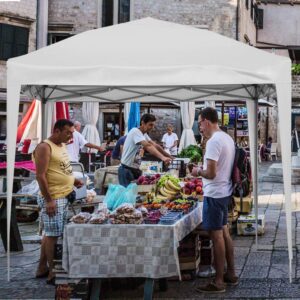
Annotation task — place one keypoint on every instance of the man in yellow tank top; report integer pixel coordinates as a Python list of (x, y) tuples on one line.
[(56, 181)]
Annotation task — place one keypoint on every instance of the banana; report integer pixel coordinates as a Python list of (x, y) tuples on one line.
[(163, 192), (168, 186), (173, 186), (170, 192), (161, 197)]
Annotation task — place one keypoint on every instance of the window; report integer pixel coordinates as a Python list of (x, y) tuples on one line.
[(247, 4), (295, 55), (251, 9), (57, 37), (13, 41), (107, 12), (124, 11), (259, 18)]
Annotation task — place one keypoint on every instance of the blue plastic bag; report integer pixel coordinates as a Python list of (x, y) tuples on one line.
[(118, 194)]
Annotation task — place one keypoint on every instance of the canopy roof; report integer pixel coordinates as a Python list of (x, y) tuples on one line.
[(153, 61), (117, 63)]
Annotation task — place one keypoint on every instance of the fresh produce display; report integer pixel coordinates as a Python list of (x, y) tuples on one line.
[(193, 152), (168, 187), (81, 218), (148, 179), (153, 217), (126, 214), (193, 186), (184, 205), (98, 218)]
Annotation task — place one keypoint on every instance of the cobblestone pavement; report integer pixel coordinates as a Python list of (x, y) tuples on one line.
[(263, 272)]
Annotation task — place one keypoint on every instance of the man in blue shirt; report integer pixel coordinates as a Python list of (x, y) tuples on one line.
[(117, 152)]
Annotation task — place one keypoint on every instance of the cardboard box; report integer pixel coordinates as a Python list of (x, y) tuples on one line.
[(193, 264), (244, 206), (146, 188), (246, 225)]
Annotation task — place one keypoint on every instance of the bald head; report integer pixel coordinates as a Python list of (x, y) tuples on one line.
[(77, 125)]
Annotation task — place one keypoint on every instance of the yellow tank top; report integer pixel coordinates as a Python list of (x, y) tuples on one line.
[(59, 174)]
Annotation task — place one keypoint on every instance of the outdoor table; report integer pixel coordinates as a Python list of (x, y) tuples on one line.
[(126, 250)]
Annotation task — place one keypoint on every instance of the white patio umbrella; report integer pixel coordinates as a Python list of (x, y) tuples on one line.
[(90, 114), (187, 110)]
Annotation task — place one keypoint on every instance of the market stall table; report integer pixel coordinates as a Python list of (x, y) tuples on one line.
[(110, 250)]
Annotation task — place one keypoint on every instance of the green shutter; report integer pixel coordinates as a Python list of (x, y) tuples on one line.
[(13, 41)]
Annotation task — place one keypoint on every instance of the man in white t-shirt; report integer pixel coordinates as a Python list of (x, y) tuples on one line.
[(136, 139), (170, 141), (78, 142), (217, 187)]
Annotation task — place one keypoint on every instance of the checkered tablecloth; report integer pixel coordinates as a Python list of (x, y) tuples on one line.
[(110, 250)]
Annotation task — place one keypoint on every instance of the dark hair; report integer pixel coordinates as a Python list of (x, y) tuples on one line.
[(209, 114), (146, 118), (60, 124)]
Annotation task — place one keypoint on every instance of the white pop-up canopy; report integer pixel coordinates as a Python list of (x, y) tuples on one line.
[(153, 61)]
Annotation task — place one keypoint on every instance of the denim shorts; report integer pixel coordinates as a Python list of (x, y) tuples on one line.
[(54, 226), (215, 212), (127, 175)]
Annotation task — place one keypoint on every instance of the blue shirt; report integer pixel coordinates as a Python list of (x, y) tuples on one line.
[(116, 152)]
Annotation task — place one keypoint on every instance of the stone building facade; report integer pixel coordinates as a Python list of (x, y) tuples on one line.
[(258, 23), (16, 19), (218, 16), (71, 17)]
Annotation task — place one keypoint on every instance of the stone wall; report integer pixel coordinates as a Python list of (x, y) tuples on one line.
[(82, 14), (246, 24), (22, 13), (164, 117), (296, 87), (272, 126), (217, 15)]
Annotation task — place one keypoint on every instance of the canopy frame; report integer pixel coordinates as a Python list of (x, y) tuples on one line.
[(155, 56)]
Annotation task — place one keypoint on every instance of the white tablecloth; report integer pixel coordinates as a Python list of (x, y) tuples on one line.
[(110, 250)]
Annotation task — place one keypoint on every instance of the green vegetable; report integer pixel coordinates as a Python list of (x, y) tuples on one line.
[(193, 152), (166, 177)]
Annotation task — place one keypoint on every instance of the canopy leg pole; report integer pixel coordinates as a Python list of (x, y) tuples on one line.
[(255, 171), (44, 119)]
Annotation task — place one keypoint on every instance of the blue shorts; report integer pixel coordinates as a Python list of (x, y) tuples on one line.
[(215, 212)]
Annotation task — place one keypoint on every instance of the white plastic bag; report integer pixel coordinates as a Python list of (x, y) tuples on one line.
[(30, 189)]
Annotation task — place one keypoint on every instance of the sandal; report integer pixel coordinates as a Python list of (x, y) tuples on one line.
[(233, 281), (211, 288), (42, 275), (51, 281)]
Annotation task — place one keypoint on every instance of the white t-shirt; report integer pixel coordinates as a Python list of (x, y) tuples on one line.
[(75, 145), (132, 147), (220, 148), (169, 141)]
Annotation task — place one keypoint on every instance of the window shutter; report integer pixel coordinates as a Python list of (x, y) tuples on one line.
[(6, 41), (21, 41), (13, 41), (260, 18)]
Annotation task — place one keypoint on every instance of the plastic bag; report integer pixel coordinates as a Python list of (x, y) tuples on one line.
[(30, 189), (118, 194)]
